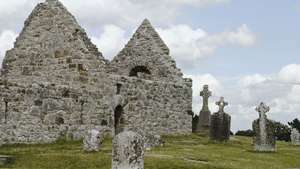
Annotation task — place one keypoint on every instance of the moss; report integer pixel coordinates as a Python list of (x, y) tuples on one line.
[(179, 152)]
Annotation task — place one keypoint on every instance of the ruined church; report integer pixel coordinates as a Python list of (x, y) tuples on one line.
[(55, 82)]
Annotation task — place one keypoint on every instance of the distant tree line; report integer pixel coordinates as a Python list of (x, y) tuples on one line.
[(282, 131)]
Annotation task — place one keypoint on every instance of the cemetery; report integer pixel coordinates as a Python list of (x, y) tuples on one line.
[(64, 105)]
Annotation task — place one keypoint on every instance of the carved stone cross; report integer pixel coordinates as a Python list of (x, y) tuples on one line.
[(205, 93), (262, 109), (221, 104)]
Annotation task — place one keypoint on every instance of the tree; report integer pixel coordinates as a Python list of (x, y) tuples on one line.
[(295, 124), (248, 133), (282, 131)]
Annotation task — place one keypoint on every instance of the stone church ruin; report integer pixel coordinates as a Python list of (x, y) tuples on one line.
[(55, 82)]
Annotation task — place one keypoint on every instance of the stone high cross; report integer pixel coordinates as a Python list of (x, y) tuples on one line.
[(221, 104), (205, 94), (262, 109)]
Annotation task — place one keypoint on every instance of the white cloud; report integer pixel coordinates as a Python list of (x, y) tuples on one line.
[(190, 45), (282, 97), (111, 40), (198, 82), (125, 13), (290, 73), (6, 42)]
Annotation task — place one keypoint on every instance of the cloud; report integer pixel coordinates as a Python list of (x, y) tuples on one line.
[(198, 82), (126, 13), (111, 40), (290, 73), (7, 38), (190, 45), (282, 97)]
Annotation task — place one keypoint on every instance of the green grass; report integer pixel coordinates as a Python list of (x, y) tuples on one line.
[(179, 152)]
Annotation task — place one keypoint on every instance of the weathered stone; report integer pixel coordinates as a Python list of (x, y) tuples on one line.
[(54, 83), (264, 138), (93, 140), (128, 151), (5, 160), (204, 115), (295, 137), (220, 123)]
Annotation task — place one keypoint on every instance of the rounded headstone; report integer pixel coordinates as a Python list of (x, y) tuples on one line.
[(92, 140)]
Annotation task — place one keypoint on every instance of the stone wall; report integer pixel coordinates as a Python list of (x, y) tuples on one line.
[(45, 112), (56, 83), (156, 107)]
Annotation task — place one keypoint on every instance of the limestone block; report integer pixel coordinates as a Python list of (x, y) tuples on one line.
[(93, 140), (128, 151), (264, 139), (295, 137)]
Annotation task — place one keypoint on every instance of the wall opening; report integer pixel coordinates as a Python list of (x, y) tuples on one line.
[(139, 70), (119, 88), (59, 121), (119, 119), (5, 111)]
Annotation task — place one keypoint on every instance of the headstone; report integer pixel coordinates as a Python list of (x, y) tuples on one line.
[(295, 137), (195, 122), (92, 140), (128, 151), (151, 141), (264, 138), (220, 123), (5, 160), (204, 115)]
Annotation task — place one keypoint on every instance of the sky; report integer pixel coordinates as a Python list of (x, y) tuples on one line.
[(246, 51)]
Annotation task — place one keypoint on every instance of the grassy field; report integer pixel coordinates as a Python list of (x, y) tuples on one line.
[(179, 152)]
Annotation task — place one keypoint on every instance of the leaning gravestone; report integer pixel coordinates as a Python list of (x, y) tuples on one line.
[(204, 115), (295, 137), (264, 138), (128, 151), (220, 123), (92, 140)]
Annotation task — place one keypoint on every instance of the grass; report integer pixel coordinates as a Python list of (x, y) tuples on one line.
[(179, 152)]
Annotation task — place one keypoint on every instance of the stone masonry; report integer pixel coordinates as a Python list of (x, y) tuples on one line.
[(55, 83), (220, 123), (264, 138), (128, 151), (204, 115), (295, 137)]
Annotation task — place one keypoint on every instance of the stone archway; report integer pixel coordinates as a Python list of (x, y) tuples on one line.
[(119, 119), (139, 69)]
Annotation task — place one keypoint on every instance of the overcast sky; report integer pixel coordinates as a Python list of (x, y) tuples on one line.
[(247, 51)]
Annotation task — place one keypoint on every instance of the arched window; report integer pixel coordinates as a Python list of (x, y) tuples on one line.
[(119, 119), (139, 69)]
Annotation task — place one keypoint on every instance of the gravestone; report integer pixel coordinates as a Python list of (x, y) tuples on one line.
[(92, 140), (128, 151), (264, 138), (295, 137), (220, 123), (5, 160), (204, 115), (195, 122)]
